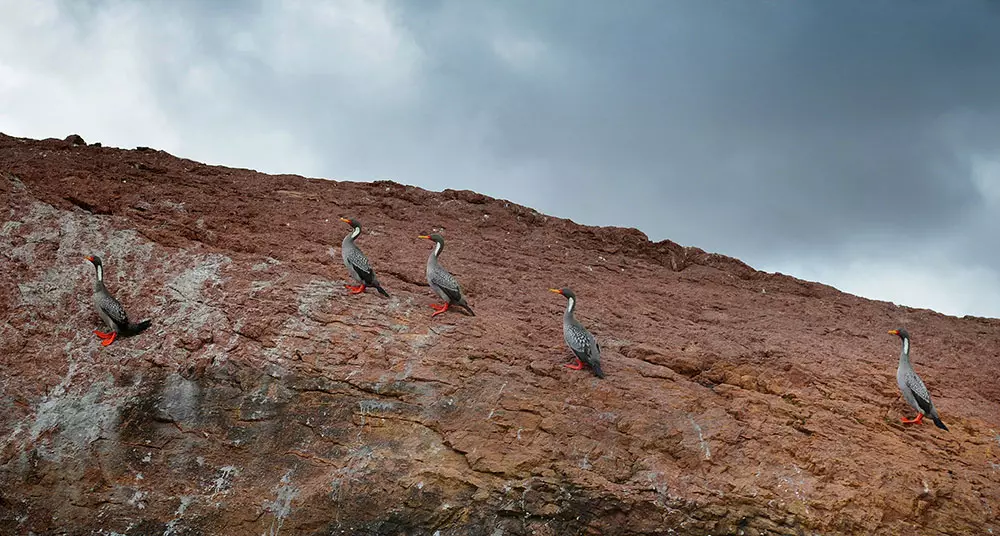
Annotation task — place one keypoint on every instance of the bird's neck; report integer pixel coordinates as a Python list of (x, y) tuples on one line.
[(904, 354), (438, 247), (355, 233), (570, 307), (99, 283)]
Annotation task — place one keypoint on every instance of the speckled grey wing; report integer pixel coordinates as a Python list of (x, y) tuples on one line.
[(580, 341), (919, 392), (446, 282), (113, 309), (360, 264)]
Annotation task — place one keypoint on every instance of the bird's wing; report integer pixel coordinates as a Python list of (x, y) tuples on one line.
[(446, 282), (361, 265), (579, 341), (113, 309), (919, 390)]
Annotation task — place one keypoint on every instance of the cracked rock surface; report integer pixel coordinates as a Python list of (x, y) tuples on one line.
[(266, 400)]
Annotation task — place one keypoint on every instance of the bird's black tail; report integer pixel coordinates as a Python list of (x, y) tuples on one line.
[(597, 370), (137, 328), (938, 423), (381, 290), (465, 306)]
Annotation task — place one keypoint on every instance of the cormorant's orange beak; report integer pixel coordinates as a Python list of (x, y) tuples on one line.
[(425, 237), (89, 258), (557, 291), (345, 220), (893, 332)]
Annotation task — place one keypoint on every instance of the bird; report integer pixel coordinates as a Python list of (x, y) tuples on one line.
[(441, 281), (913, 388), (111, 310), (585, 347), (356, 262)]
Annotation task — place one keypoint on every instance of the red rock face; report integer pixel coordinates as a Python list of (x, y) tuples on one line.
[(266, 400)]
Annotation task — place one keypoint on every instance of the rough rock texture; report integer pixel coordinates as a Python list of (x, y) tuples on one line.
[(265, 400)]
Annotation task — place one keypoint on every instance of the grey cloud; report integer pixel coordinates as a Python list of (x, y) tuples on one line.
[(791, 126)]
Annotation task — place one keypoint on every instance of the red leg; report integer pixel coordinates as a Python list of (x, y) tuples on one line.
[(101, 334), (438, 309), (109, 340), (355, 289), (575, 366), (916, 420)]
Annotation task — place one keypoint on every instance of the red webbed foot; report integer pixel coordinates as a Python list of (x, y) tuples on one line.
[(438, 309), (109, 338), (355, 289), (916, 420), (575, 366)]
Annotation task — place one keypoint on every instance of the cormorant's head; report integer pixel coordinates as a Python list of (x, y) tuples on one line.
[(903, 334), (351, 222), (94, 259), (435, 237), (564, 291)]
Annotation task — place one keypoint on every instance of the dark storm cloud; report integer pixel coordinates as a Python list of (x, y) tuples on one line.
[(742, 125)]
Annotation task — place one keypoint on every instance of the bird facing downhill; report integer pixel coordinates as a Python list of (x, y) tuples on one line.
[(912, 386), (357, 263), (580, 341), (111, 311), (441, 281)]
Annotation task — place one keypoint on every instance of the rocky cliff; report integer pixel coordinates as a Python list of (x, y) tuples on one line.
[(266, 400)]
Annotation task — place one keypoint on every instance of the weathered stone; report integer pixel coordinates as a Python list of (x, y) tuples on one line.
[(265, 400)]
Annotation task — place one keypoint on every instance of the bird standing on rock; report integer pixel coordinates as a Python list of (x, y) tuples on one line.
[(913, 388), (584, 345), (356, 262), (441, 281), (111, 311)]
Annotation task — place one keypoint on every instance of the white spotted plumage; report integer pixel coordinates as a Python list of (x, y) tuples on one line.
[(578, 338), (357, 263), (110, 310), (915, 388)]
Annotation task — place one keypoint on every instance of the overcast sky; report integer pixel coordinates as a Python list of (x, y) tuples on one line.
[(856, 143)]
